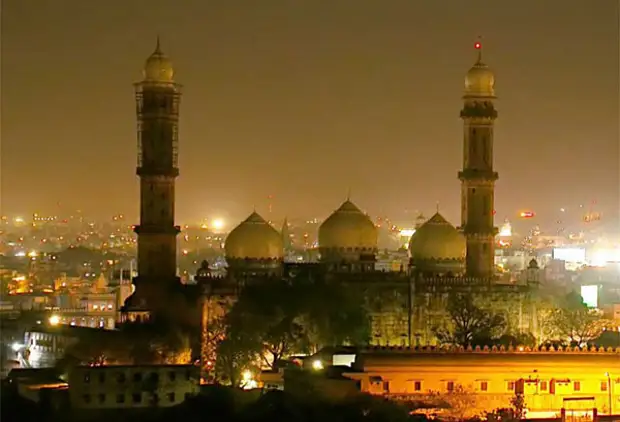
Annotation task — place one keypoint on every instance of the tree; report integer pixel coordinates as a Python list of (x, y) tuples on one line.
[(276, 319), (469, 324), (459, 404), (572, 320)]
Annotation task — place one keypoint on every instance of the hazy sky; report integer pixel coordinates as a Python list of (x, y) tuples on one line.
[(304, 99)]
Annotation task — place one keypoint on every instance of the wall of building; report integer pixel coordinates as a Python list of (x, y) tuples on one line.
[(108, 387), (491, 379)]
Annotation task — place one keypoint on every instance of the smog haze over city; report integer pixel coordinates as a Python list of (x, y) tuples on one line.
[(304, 101)]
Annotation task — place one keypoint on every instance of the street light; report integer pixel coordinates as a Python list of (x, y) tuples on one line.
[(609, 392)]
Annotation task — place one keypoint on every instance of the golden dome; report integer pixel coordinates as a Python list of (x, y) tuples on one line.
[(480, 80), (158, 67), (254, 238), (437, 239), (348, 227)]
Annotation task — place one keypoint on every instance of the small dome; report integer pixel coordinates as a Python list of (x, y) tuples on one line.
[(348, 227), (254, 238), (437, 239), (158, 67), (480, 80)]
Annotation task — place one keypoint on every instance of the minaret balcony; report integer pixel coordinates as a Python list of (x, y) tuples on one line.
[(147, 170), (478, 175), (479, 109), (156, 229)]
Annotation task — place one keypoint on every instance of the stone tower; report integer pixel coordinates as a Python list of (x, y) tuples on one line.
[(478, 177), (157, 107)]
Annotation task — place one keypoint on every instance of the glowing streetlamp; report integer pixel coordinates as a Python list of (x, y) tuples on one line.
[(317, 365), (54, 320)]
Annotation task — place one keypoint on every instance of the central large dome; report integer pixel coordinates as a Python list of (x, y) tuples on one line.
[(437, 240), (254, 238), (348, 227)]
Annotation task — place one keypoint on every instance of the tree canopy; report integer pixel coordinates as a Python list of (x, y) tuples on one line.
[(571, 320), (469, 324), (274, 320)]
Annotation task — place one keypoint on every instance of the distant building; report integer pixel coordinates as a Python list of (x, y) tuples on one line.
[(117, 387)]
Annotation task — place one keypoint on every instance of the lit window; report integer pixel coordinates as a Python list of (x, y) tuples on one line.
[(484, 385), (417, 386), (450, 386), (577, 386), (543, 386), (603, 385), (95, 307), (511, 385)]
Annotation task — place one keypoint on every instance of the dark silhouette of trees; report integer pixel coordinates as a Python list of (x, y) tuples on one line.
[(274, 320), (572, 320), (469, 324)]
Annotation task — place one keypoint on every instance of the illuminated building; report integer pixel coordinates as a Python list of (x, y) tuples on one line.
[(157, 101), (478, 177), (443, 259), (548, 379)]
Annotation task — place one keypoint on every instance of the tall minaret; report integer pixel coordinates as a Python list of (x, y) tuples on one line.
[(157, 106), (478, 177)]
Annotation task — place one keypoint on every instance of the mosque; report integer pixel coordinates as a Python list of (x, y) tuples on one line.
[(443, 258)]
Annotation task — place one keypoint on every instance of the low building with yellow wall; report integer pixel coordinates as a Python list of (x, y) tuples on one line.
[(488, 379)]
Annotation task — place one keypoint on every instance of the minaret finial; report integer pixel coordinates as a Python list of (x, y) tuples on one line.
[(349, 194), (437, 206), (478, 47), (158, 46)]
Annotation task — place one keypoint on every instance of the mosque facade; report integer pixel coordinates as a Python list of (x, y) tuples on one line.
[(405, 306)]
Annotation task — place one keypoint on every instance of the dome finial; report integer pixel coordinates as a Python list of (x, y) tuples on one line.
[(349, 194), (478, 47), (158, 46), (437, 207)]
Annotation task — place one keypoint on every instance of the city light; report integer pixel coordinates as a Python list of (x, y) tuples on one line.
[(217, 224), (317, 365), (54, 320), (16, 347)]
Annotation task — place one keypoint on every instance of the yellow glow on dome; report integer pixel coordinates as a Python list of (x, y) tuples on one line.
[(158, 67), (437, 239), (254, 238), (348, 227)]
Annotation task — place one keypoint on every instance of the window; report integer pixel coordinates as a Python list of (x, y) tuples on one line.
[(136, 397), (137, 377), (511, 385), (172, 375), (188, 395), (484, 385), (603, 385), (171, 397), (386, 386), (450, 386), (543, 386), (577, 385), (121, 378), (86, 398), (101, 398), (87, 377), (101, 378), (120, 398), (417, 386)]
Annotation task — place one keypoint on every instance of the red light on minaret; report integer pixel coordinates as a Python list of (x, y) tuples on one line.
[(478, 46)]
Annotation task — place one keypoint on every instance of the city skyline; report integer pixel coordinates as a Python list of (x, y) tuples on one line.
[(324, 96)]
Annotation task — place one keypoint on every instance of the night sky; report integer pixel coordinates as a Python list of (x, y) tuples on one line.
[(306, 99)]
